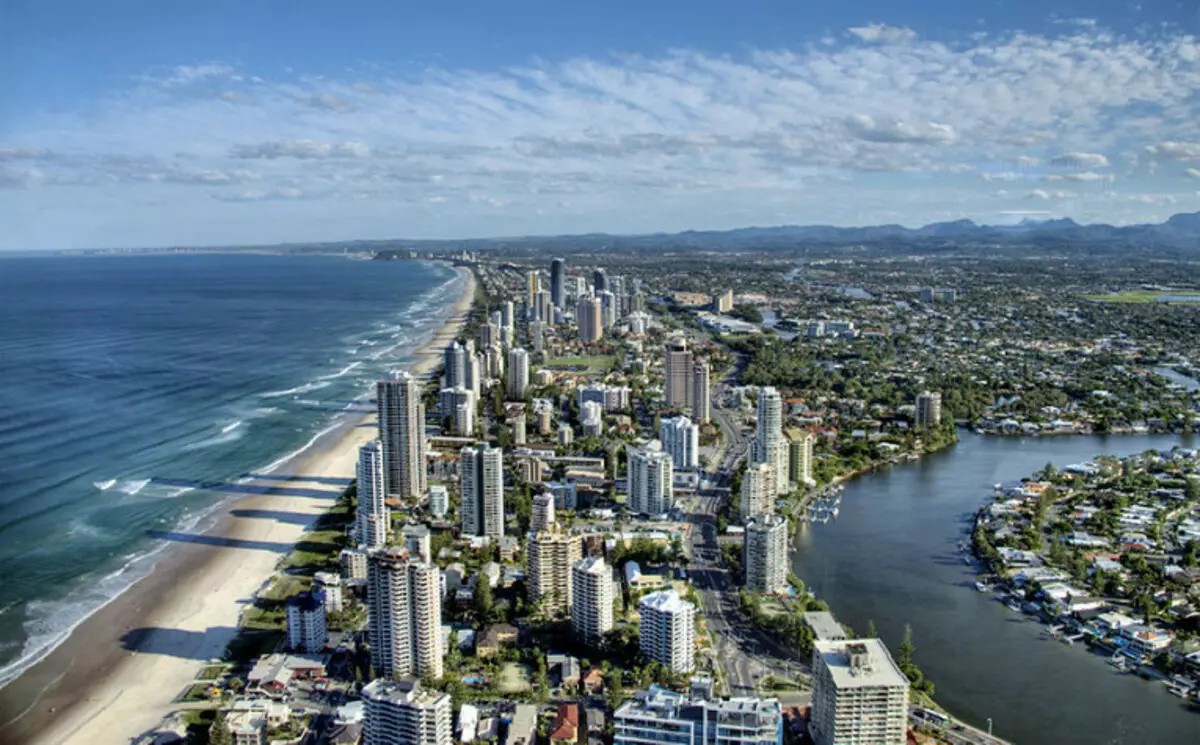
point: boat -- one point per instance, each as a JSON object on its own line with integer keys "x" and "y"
{"x": 1013, "y": 605}
{"x": 982, "y": 587}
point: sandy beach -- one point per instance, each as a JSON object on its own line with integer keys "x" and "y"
{"x": 114, "y": 679}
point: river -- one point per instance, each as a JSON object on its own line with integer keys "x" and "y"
{"x": 891, "y": 556}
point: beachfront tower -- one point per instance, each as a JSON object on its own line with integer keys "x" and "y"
{"x": 518, "y": 374}
{"x": 651, "y": 473}
{"x": 678, "y": 368}
{"x": 371, "y": 519}
{"x": 558, "y": 283}
{"x": 404, "y": 621}
{"x": 591, "y": 600}
{"x": 765, "y": 553}
{"x": 455, "y": 373}
{"x": 402, "y": 435}
{"x": 481, "y": 472}
{"x": 306, "y": 622}
{"x": 859, "y": 696}
{"x": 401, "y": 712}
{"x": 668, "y": 630}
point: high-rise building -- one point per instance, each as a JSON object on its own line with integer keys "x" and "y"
{"x": 681, "y": 440}
{"x": 454, "y": 373}
{"x": 667, "y": 632}
{"x": 609, "y": 397}
{"x": 401, "y": 712}
{"x": 494, "y": 356}
{"x": 458, "y": 407}
{"x": 929, "y": 409}
{"x": 330, "y": 583}
{"x": 765, "y": 553}
{"x": 651, "y": 473}
{"x": 599, "y": 281}
{"x": 402, "y": 435}
{"x": 566, "y": 494}
{"x": 589, "y": 319}
{"x": 638, "y": 322}
{"x": 506, "y": 314}
{"x": 439, "y": 500}
{"x": 800, "y": 456}
{"x": 722, "y": 302}
{"x": 591, "y": 600}
{"x": 758, "y": 490}
{"x": 306, "y": 622}
{"x": 404, "y": 622}
{"x": 591, "y": 418}
{"x": 768, "y": 446}
{"x": 678, "y": 368}
{"x": 543, "y": 307}
{"x": 481, "y": 473}
{"x": 558, "y": 284}
{"x": 565, "y": 434}
{"x": 608, "y": 309}
{"x": 371, "y": 519}
{"x": 489, "y": 335}
{"x": 418, "y": 541}
{"x": 549, "y": 556}
{"x": 518, "y": 373}
{"x": 516, "y": 423}
{"x": 859, "y": 697}
{"x": 701, "y": 393}
{"x": 533, "y": 286}
{"x": 662, "y": 716}
{"x": 473, "y": 370}
{"x": 537, "y": 330}
{"x": 542, "y": 513}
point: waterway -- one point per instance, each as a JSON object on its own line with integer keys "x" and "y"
{"x": 891, "y": 557}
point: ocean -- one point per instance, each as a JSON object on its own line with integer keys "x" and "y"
{"x": 134, "y": 390}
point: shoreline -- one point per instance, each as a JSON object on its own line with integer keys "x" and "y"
{"x": 116, "y": 676}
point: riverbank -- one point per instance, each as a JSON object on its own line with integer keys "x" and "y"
{"x": 117, "y": 674}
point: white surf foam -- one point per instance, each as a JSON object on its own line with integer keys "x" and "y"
{"x": 298, "y": 389}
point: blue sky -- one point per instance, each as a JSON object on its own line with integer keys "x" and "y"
{"x": 216, "y": 123}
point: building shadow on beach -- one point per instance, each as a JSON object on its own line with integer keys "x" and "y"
{"x": 281, "y": 490}
{"x": 329, "y": 480}
{"x": 223, "y": 542}
{"x": 189, "y": 645}
{"x": 294, "y": 518}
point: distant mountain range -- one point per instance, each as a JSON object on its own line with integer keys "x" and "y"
{"x": 1179, "y": 235}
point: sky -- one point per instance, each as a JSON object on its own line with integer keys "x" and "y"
{"x": 142, "y": 123}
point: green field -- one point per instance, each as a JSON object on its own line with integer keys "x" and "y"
{"x": 513, "y": 678}
{"x": 599, "y": 362}
{"x": 1148, "y": 296}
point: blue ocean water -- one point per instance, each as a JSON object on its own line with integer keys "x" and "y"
{"x": 127, "y": 383}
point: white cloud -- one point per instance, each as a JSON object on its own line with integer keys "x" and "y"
{"x": 1048, "y": 194}
{"x": 923, "y": 133}
{"x": 881, "y": 33}
{"x": 1082, "y": 176}
{"x": 1193, "y": 172}
{"x": 302, "y": 149}
{"x": 1080, "y": 160}
{"x": 1181, "y": 151}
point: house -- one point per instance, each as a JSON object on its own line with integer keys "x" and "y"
{"x": 593, "y": 680}
{"x": 566, "y": 728}
{"x": 563, "y": 668}
{"x": 523, "y": 728}
{"x": 593, "y": 718}
{"x": 275, "y": 672}
{"x": 247, "y": 727}
{"x": 509, "y": 545}
{"x": 1145, "y": 640}
{"x": 494, "y": 637}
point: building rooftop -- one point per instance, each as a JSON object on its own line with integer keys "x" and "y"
{"x": 825, "y": 626}
{"x": 860, "y": 663}
{"x": 665, "y": 601}
{"x": 403, "y": 691}
{"x": 593, "y": 565}
{"x": 307, "y": 601}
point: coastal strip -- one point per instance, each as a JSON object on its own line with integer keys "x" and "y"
{"x": 116, "y": 676}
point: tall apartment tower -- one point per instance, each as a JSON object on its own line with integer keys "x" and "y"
{"x": 481, "y": 475}
{"x": 651, "y": 473}
{"x": 418, "y": 541}
{"x": 558, "y": 283}
{"x": 306, "y": 622}
{"x": 765, "y": 553}
{"x": 800, "y": 456}
{"x": 371, "y": 519}
{"x": 599, "y": 281}
{"x": 668, "y": 630}
{"x": 401, "y": 712}
{"x": 402, "y": 435}
{"x": 454, "y": 372}
{"x": 542, "y": 514}
{"x": 859, "y": 696}
{"x": 758, "y": 490}
{"x": 533, "y": 285}
{"x": 591, "y": 600}
{"x": 768, "y": 446}
{"x": 678, "y": 368}
{"x": 929, "y": 409}
{"x": 681, "y": 440}
{"x": 472, "y": 369}
{"x": 506, "y": 314}
{"x": 518, "y": 373}
{"x": 701, "y": 393}
{"x": 549, "y": 556}
{"x": 589, "y": 319}
{"x": 404, "y": 621}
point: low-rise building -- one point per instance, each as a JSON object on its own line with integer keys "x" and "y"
{"x": 662, "y": 716}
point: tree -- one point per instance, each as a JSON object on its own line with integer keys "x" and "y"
{"x": 871, "y": 632}
{"x": 482, "y": 601}
{"x": 904, "y": 654}
{"x": 614, "y": 689}
{"x": 218, "y": 732}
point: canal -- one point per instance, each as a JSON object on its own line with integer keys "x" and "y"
{"x": 892, "y": 557}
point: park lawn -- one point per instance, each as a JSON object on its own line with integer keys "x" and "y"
{"x": 772, "y": 607}
{"x": 211, "y": 672}
{"x": 596, "y": 363}
{"x": 513, "y": 678}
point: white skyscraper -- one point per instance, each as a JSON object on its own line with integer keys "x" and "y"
{"x": 859, "y": 696}
{"x": 481, "y": 472}
{"x": 758, "y": 490}
{"x": 518, "y": 373}
{"x": 401, "y": 712}
{"x": 650, "y": 479}
{"x": 472, "y": 370}
{"x": 542, "y": 514}
{"x": 678, "y": 368}
{"x": 418, "y": 541}
{"x": 306, "y": 622}
{"x": 404, "y": 623}
{"x": 549, "y": 556}
{"x": 439, "y": 500}
{"x": 668, "y": 630}
{"x": 454, "y": 373}
{"x": 701, "y": 392}
{"x": 681, "y": 440}
{"x": 800, "y": 456}
{"x": 929, "y": 409}
{"x": 402, "y": 435}
{"x": 765, "y": 553}
{"x": 591, "y": 417}
{"x": 458, "y": 408}
{"x": 506, "y": 315}
{"x": 591, "y": 600}
{"x": 371, "y": 519}
{"x": 768, "y": 446}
